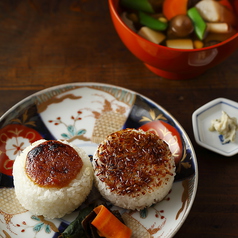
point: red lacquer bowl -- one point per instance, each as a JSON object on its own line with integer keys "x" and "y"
{"x": 167, "y": 62}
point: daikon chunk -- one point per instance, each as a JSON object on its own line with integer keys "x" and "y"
{"x": 151, "y": 35}
{"x": 180, "y": 43}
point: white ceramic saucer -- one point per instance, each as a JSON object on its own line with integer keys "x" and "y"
{"x": 201, "y": 120}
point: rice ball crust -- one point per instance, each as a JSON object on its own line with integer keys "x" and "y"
{"x": 133, "y": 169}
{"x": 52, "y": 201}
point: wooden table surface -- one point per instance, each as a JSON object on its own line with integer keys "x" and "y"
{"x": 46, "y": 43}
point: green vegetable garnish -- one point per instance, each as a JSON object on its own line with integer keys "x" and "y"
{"x": 139, "y": 5}
{"x": 199, "y": 24}
{"x": 75, "y": 229}
{"x": 151, "y": 22}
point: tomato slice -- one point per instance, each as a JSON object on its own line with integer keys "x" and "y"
{"x": 169, "y": 134}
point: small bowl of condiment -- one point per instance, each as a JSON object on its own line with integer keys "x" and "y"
{"x": 215, "y": 126}
{"x": 177, "y": 39}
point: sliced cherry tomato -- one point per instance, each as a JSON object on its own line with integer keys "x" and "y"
{"x": 169, "y": 134}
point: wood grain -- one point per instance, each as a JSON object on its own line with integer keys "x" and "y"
{"x": 46, "y": 43}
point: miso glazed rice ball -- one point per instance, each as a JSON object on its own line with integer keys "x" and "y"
{"x": 52, "y": 178}
{"x": 133, "y": 169}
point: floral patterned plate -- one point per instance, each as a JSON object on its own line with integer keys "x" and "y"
{"x": 83, "y": 114}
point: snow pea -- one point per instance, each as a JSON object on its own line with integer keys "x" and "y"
{"x": 199, "y": 24}
{"x": 151, "y": 22}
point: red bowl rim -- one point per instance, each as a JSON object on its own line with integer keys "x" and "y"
{"x": 114, "y": 11}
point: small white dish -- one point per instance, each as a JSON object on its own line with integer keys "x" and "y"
{"x": 201, "y": 120}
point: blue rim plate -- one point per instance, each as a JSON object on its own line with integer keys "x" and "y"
{"x": 83, "y": 114}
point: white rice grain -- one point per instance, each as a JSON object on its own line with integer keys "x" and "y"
{"x": 52, "y": 202}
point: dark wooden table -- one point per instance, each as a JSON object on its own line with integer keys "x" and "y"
{"x": 46, "y": 43}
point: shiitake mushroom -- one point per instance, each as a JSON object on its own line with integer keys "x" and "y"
{"x": 181, "y": 26}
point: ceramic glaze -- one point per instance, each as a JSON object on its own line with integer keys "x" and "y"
{"x": 168, "y": 62}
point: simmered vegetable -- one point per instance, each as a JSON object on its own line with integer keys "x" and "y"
{"x": 198, "y": 44}
{"x": 172, "y": 8}
{"x": 90, "y": 230}
{"x": 75, "y": 229}
{"x": 128, "y": 21}
{"x": 218, "y": 27}
{"x": 181, "y": 25}
{"x": 97, "y": 222}
{"x": 180, "y": 44}
{"x": 151, "y": 22}
{"x": 151, "y": 35}
{"x": 217, "y": 37}
{"x": 108, "y": 225}
{"x": 213, "y": 11}
{"x": 198, "y": 23}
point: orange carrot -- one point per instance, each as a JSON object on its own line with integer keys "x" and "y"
{"x": 172, "y": 8}
{"x": 108, "y": 225}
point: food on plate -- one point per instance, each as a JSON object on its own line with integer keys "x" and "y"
{"x": 52, "y": 178}
{"x": 75, "y": 228}
{"x": 225, "y": 126}
{"x": 181, "y": 24}
{"x": 96, "y": 222}
{"x": 133, "y": 169}
{"x": 108, "y": 225}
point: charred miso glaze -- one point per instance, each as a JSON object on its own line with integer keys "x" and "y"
{"x": 53, "y": 164}
{"x": 128, "y": 161}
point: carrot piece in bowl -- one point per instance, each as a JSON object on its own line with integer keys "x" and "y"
{"x": 172, "y": 8}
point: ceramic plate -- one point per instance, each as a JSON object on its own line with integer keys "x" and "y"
{"x": 83, "y": 114}
{"x": 202, "y": 118}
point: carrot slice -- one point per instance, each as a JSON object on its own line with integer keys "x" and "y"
{"x": 172, "y": 8}
{"x": 108, "y": 225}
